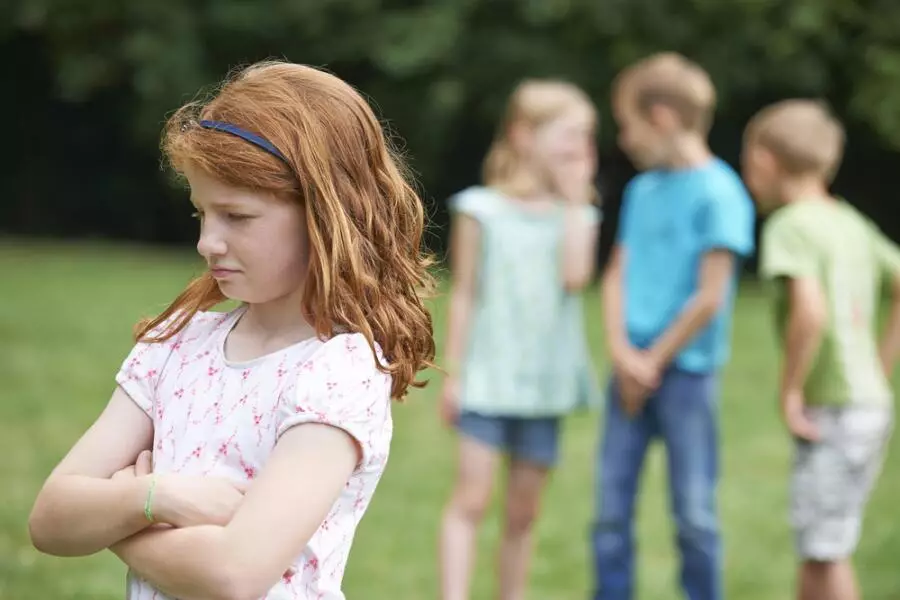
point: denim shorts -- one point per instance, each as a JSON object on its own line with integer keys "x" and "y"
{"x": 533, "y": 440}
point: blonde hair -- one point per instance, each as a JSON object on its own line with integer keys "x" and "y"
{"x": 533, "y": 103}
{"x": 803, "y": 135}
{"x": 366, "y": 270}
{"x": 671, "y": 79}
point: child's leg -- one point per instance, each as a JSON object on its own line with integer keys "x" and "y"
{"x": 480, "y": 441}
{"x": 622, "y": 450}
{"x": 831, "y": 484}
{"x": 828, "y": 580}
{"x": 533, "y": 450}
{"x": 688, "y": 419}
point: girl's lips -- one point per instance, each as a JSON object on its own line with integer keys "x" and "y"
{"x": 219, "y": 273}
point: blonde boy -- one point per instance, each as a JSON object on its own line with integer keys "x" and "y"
{"x": 686, "y": 223}
{"x": 829, "y": 264}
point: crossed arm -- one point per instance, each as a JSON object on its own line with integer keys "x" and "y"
{"x": 82, "y": 509}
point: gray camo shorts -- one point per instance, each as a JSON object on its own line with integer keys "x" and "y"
{"x": 833, "y": 478}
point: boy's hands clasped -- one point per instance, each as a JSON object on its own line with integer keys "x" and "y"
{"x": 638, "y": 375}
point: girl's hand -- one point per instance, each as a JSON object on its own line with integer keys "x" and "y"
{"x": 186, "y": 500}
{"x": 572, "y": 176}
{"x": 142, "y": 466}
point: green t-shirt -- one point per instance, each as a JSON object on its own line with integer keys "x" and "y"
{"x": 852, "y": 260}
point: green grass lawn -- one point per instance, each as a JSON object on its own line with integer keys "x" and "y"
{"x": 66, "y": 313}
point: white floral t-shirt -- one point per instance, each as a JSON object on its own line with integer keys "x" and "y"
{"x": 216, "y": 417}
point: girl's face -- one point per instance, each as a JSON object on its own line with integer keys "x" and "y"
{"x": 568, "y": 136}
{"x": 255, "y": 244}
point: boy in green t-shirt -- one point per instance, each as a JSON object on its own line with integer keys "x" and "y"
{"x": 829, "y": 265}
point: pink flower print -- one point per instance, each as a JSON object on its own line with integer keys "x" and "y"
{"x": 223, "y": 449}
{"x": 151, "y": 373}
{"x": 198, "y": 451}
{"x": 281, "y": 372}
{"x": 213, "y": 409}
{"x": 249, "y": 471}
{"x": 179, "y": 393}
{"x": 312, "y": 565}
{"x": 211, "y": 371}
{"x": 245, "y": 374}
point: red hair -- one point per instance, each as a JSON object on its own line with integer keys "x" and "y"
{"x": 367, "y": 272}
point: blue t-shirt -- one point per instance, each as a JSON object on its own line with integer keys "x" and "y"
{"x": 670, "y": 219}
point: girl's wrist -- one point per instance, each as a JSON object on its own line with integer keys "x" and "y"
{"x": 157, "y": 501}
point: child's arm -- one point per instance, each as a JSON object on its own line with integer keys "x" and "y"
{"x": 579, "y": 252}
{"x": 890, "y": 339}
{"x": 716, "y": 272}
{"x": 789, "y": 260}
{"x": 573, "y": 180}
{"x": 465, "y": 245}
{"x": 726, "y": 225}
{"x": 80, "y": 510}
{"x": 282, "y": 510}
{"x": 613, "y": 313}
{"x": 807, "y": 316}
{"x": 806, "y": 320}
{"x": 888, "y": 257}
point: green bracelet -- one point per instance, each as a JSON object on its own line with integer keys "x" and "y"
{"x": 148, "y": 504}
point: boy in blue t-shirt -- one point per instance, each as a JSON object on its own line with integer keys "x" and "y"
{"x": 686, "y": 224}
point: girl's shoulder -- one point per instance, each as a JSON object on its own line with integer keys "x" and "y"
{"x": 348, "y": 356}
{"x": 479, "y": 202}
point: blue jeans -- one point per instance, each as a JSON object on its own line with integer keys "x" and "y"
{"x": 683, "y": 412}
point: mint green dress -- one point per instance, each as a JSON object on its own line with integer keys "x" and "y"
{"x": 527, "y": 353}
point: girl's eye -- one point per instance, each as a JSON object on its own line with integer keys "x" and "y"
{"x": 238, "y": 217}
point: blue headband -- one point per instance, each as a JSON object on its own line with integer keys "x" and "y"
{"x": 254, "y": 139}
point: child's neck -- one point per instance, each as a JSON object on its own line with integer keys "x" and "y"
{"x": 689, "y": 151}
{"x": 804, "y": 188}
{"x": 279, "y": 319}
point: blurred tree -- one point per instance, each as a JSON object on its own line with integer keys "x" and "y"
{"x": 438, "y": 72}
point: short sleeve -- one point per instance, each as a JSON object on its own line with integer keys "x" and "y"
{"x": 785, "y": 253}
{"x": 341, "y": 386}
{"x": 727, "y": 220}
{"x": 886, "y": 253}
{"x": 592, "y": 214}
{"x": 477, "y": 202}
{"x": 140, "y": 373}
